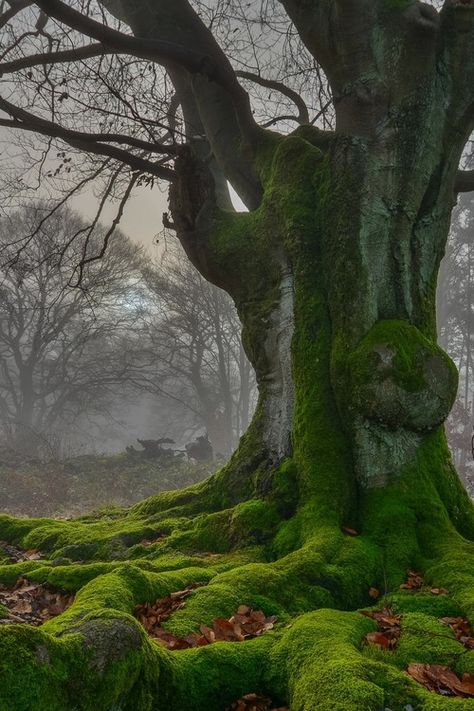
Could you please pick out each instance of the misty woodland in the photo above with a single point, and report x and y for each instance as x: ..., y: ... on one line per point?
x: 236, y: 463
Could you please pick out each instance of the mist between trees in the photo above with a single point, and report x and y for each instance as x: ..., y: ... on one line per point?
x: 149, y: 349
x: 141, y: 348
x: 456, y: 332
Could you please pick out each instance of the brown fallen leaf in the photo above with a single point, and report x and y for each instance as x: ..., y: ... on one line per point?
x: 349, y: 531
x: 32, y: 603
x: 380, y: 639
x: 439, y: 591
x: 389, y: 628
x: 17, y: 554
x: 414, y: 582
x: 244, y: 624
x: 461, y: 628
x: 374, y: 593
x: 151, y: 615
x: 442, y: 679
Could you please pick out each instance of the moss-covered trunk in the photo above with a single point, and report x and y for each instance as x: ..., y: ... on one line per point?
x: 334, y: 277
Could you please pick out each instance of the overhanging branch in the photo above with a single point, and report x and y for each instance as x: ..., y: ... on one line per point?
x: 89, y: 143
x: 160, y: 51
x: 15, y: 8
x: 96, y: 49
x: 303, y: 115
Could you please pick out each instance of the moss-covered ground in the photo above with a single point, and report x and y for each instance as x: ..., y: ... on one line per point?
x: 304, y: 568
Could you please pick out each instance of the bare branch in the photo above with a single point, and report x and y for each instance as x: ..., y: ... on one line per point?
x: 15, y: 8
x: 68, y: 55
x: 303, y: 115
x: 160, y: 51
x: 26, y: 121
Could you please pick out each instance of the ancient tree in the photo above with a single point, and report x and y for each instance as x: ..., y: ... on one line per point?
x: 333, y: 270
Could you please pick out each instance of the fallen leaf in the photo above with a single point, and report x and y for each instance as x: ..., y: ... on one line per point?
x: 246, y: 623
x: 350, y: 531
x: 461, y: 628
x: 379, y: 639
x: 414, y: 582
x: 32, y: 603
x: 442, y: 679
x: 374, y: 593
x: 389, y: 628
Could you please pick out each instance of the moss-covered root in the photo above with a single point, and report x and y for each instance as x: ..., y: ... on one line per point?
x: 322, y: 663
x: 108, y: 664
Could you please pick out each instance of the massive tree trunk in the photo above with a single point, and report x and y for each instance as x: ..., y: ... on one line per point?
x: 334, y: 277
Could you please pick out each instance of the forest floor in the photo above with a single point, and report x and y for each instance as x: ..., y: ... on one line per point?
x: 76, y: 486
x: 215, y: 598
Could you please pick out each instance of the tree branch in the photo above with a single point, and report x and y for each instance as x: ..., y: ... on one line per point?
x: 303, y: 114
x: 161, y: 51
x: 26, y: 121
x: 223, y: 106
x: 96, y: 49
x: 15, y: 8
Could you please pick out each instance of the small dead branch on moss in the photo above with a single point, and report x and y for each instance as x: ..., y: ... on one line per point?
x: 442, y: 680
x: 254, y: 702
x: 32, y: 603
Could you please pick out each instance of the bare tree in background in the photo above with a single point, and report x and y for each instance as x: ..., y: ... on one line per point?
x: 64, y: 352
x: 195, y: 337
x: 456, y: 329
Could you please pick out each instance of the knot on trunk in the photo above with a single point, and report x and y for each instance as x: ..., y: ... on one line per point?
x: 399, y: 378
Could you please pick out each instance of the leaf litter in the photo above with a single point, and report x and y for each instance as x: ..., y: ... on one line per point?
x: 18, y: 555
x: 389, y: 628
x: 32, y: 603
x: 244, y: 624
x: 442, y: 680
x: 416, y: 583
x: 461, y: 628
x: 434, y: 677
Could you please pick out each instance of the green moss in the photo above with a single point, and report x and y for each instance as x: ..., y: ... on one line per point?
x: 253, y: 521
x: 398, y: 377
x: 319, y: 661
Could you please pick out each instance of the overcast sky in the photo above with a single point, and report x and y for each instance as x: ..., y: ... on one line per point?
x: 142, y: 218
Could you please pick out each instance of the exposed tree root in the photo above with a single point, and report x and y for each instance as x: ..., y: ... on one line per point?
x: 97, y: 656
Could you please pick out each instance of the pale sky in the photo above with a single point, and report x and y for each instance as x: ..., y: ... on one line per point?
x: 142, y: 218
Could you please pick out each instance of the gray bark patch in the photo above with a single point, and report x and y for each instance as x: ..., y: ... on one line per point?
x: 280, y: 391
